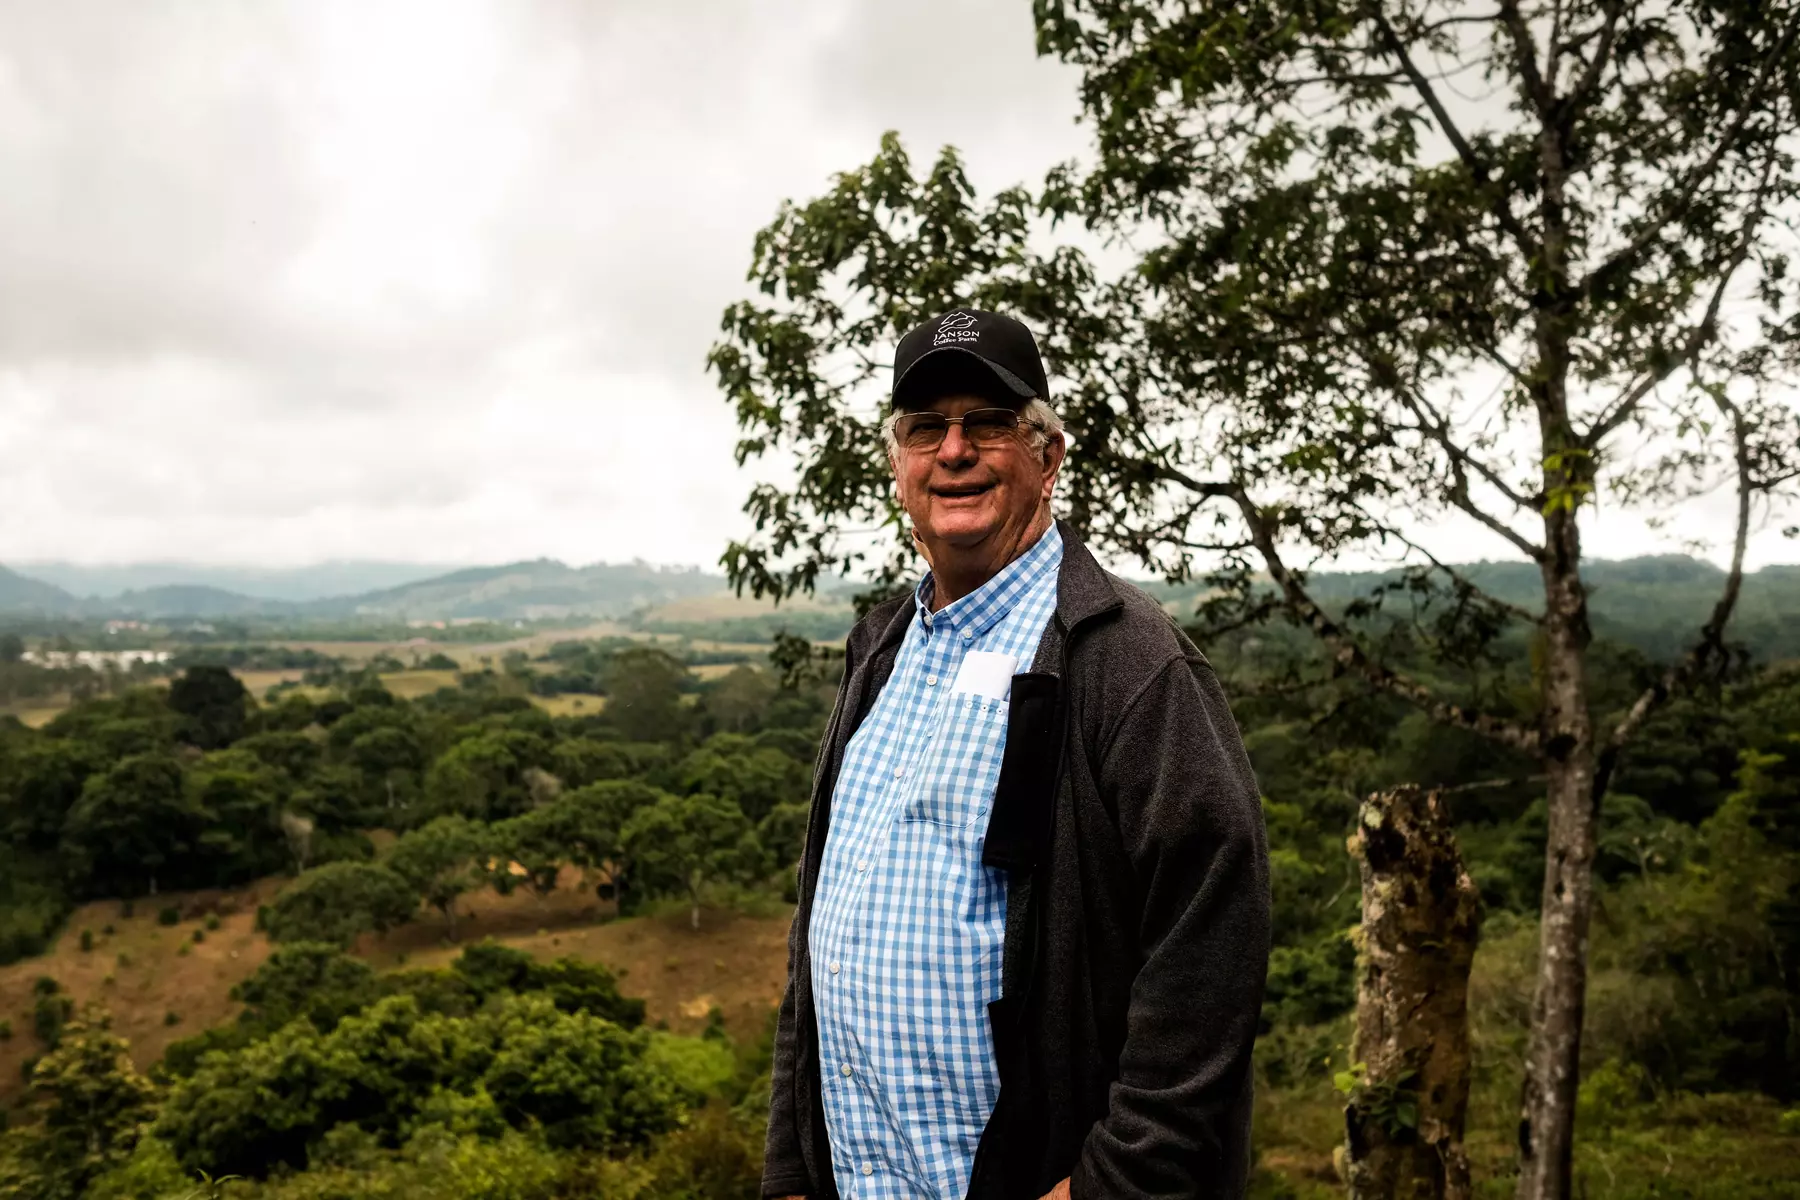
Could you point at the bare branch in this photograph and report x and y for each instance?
(1350, 656)
(1481, 785)
(1464, 582)
(1710, 646)
(1433, 426)
(1702, 333)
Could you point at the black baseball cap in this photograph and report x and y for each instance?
(981, 353)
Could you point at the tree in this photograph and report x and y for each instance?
(214, 706)
(94, 1103)
(738, 702)
(443, 860)
(643, 695)
(133, 825)
(755, 778)
(593, 819)
(12, 648)
(390, 758)
(41, 781)
(539, 843)
(681, 843)
(336, 902)
(478, 777)
(1360, 306)
(239, 803)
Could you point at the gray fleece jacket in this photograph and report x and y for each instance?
(1137, 923)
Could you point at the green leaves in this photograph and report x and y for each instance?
(336, 902)
(94, 1107)
(394, 1069)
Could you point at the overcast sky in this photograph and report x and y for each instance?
(434, 281)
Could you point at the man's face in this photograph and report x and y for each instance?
(961, 494)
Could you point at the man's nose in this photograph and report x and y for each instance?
(955, 449)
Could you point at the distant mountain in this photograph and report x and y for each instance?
(296, 584)
(540, 588)
(32, 597)
(1656, 603)
(189, 600)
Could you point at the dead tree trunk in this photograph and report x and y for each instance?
(1409, 1090)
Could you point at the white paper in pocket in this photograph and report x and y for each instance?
(985, 674)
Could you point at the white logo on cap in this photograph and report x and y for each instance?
(957, 327)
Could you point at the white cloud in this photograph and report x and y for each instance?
(426, 280)
(430, 279)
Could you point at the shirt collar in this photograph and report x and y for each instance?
(977, 612)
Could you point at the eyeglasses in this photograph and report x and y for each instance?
(982, 426)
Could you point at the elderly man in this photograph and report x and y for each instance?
(1034, 914)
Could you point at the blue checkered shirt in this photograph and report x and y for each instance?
(908, 925)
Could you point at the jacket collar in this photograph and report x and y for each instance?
(1083, 589)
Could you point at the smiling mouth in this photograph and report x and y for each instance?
(961, 491)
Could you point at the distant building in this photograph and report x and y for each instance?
(97, 660)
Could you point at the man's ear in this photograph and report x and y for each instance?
(1056, 448)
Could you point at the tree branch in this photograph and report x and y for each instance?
(1433, 426)
(1711, 644)
(1703, 331)
(1584, 90)
(1471, 161)
(1543, 97)
(1464, 582)
(1681, 197)
(1350, 656)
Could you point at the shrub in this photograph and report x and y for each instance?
(338, 901)
(49, 1014)
(394, 1067)
(168, 915)
(87, 940)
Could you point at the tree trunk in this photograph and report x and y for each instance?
(1421, 917)
(1553, 1054)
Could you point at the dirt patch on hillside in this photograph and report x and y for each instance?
(159, 992)
(159, 983)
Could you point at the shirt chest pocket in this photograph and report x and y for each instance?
(960, 768)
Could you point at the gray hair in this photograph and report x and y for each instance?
(1039, 417)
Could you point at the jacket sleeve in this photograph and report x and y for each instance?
(1189, 815)
(784, 1171)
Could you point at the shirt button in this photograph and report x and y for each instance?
(845, 1069)
(899, 772)
(834, 971)
(931, 681)
(862, 866)
(868, 1168)
(968, 636)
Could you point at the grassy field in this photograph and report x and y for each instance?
(570, 705)
(161, 985)
(410, 685)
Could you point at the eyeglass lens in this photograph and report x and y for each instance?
(920, 430)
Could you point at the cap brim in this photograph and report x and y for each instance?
(922, 386)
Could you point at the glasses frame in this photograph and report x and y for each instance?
(902, 437)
